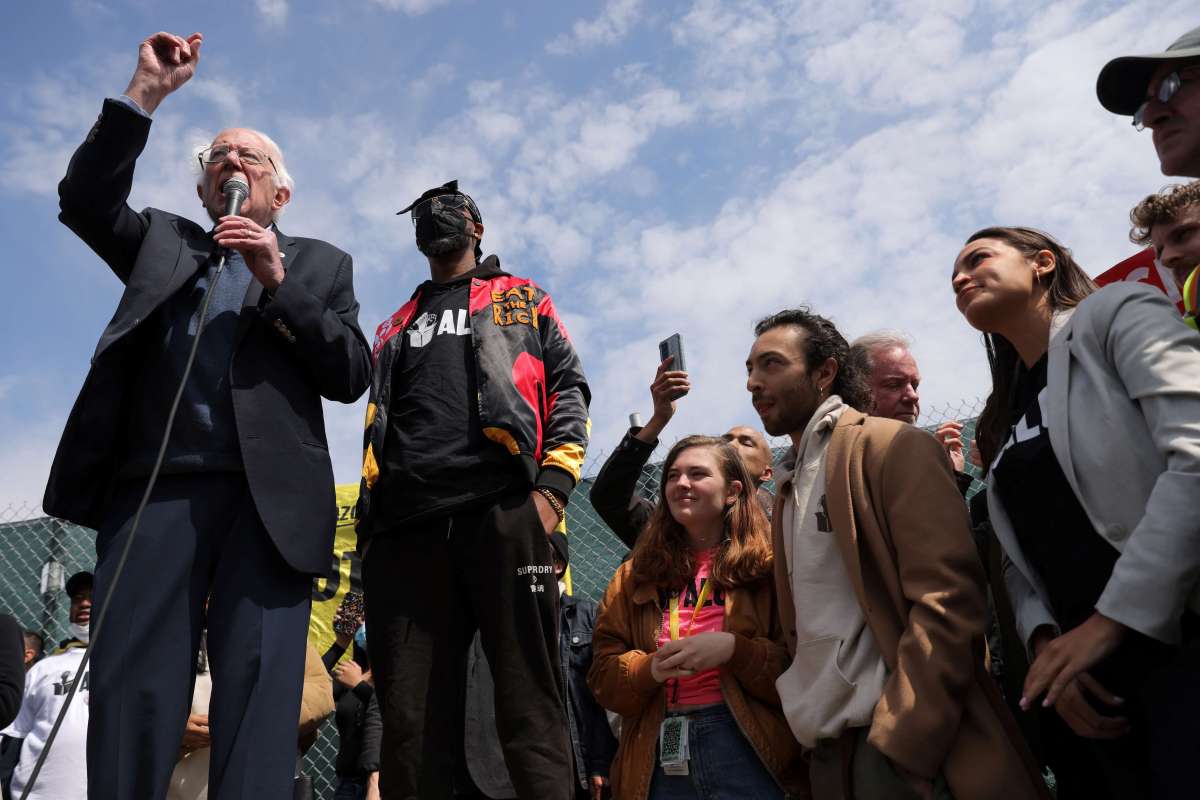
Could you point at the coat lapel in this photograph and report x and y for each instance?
(254, 292)
(194, 253)
(1058, 364)
(841, 467)
(191, 256)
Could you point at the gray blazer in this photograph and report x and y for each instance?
(1123, 411)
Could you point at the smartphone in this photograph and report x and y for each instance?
(672, 346)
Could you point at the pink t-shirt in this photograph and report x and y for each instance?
(703, 688)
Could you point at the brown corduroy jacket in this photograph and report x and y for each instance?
(625, 639)
(904, 535)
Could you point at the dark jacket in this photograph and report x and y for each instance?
(591, 737)
(12, 669)
(533, 398)
(614, 492)
(360, 730)
(356, 716)
(293, 348)
(592, 742)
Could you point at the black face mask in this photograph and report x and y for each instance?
(440, 226)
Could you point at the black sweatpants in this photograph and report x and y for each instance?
(427, 589)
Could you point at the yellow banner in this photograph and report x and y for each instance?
(345, 569)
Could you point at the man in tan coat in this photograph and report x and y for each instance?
(880, 590)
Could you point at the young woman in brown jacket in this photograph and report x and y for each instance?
(687, 646)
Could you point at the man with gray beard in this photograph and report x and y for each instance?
(476, 430)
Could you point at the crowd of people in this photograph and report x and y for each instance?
(862, 632)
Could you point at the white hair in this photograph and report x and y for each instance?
(280, 176)
(867, 345)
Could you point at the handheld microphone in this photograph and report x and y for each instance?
(236, 190)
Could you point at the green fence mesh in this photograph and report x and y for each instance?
(38, 554)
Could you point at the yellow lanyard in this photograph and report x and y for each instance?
(700, 598)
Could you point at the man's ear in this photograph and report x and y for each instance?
(200, 193)
(478, 234)
(825, 373)
(767, 474)
(281, 198)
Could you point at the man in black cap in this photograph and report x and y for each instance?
(1162, 92)
(475, 437)
(79, 590)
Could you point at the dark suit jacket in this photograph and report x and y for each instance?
(294, 348)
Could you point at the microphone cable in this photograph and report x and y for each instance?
(94, 634)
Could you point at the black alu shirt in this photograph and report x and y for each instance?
(436, 460)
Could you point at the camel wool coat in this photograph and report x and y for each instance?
(904, 534)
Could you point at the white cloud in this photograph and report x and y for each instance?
(866, 232)
(850, 146)
(7, 384)
(610, 26)
(739, 50)
(225, 95)
(273, 12)
(90, 8)
(56, 115)
(885, 66)
(412, 8)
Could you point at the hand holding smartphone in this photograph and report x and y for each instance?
(672, 347)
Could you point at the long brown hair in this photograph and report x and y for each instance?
(663, 554)
(1066, 286)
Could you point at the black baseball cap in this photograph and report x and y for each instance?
(447, 188)
(1122, 84)
(77, 582)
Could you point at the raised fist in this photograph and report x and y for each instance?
(165, 62)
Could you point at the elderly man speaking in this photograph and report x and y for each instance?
(243, 510)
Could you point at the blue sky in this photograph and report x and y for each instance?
(659, 166)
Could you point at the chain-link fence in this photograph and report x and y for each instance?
(38, 554)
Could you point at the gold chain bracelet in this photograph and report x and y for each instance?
(554, 502)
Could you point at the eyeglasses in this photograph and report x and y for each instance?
(246, 155)
(1167, 87)
(455, 201)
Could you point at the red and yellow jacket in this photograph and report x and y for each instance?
(532, 394)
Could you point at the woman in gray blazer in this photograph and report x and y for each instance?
(1092, 440)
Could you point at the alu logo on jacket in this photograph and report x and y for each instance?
(426, 326)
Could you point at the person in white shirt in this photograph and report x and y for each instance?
(64, 775)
